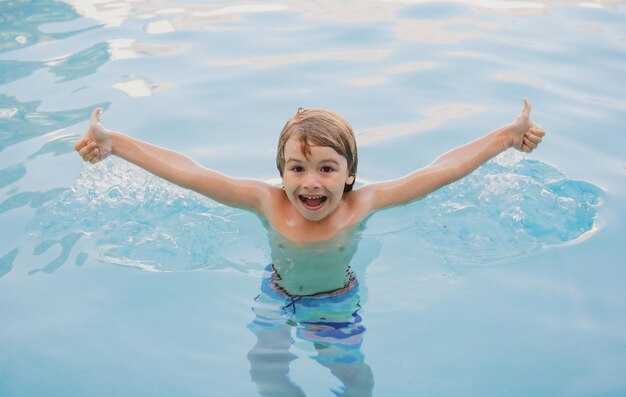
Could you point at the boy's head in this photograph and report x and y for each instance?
(319, 127)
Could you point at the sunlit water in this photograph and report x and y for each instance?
(508, 282)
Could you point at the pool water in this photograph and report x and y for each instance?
(508, 282)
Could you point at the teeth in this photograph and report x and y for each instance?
(312, 197)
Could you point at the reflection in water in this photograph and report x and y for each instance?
(441, 32)
(517, 77)
(311, 291)
(364, 81)
(134, 88)
(57, 146)
(82, 63)
(109, 13)
(34, 199)
(434, 117)
(66, 243)
(267, 61)
(140, 88)
(206, 16)
(410, 67)
(27, 122)
(11, 174)
(20, 21)
(160, 27)
(19, 122)
(15, 70)
(6, 262)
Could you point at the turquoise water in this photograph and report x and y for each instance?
(508, 282)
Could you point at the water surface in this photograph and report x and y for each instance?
(508, 282)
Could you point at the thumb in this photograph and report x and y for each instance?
(95, 115)
(527, 107)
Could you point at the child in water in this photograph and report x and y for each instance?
(309, 283)
(317, 161)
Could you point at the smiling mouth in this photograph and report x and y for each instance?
(312, 202)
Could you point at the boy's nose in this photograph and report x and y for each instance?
(311, 182)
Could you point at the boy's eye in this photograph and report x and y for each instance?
(327, 168)
(297, 168)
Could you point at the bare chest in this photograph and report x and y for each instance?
(296, 228)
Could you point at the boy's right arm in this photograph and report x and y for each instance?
(97, 143)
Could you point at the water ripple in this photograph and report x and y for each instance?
(25, 121)
(20, 21)
(509, 207)
(138, 220)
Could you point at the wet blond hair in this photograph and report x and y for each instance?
(319, 127)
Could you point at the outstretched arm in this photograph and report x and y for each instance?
(521, 134)
(98, 142)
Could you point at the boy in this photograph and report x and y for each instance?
(310, 286)
(317, 160)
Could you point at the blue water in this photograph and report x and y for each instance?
(508, 282)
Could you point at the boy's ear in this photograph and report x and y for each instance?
(350, 180)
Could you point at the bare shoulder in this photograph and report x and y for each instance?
(363, 193)
(270, 198)
(379, 195)
(362, 200)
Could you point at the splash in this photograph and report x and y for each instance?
(136, 219)
(509, 207)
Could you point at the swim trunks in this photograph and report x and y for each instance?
(327, 318)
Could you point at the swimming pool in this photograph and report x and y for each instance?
(508, 282)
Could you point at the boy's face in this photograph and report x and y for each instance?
(315, 185)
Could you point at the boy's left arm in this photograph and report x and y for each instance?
(521, 134)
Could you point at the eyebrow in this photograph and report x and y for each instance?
(299, 160)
